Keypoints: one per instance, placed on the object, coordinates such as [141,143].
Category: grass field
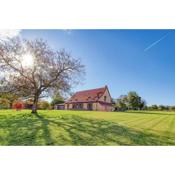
[86,128]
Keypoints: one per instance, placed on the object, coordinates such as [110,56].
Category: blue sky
[125,60]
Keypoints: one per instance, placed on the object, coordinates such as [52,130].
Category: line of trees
[9,102]
[132,101]
[160,108]
[27,104]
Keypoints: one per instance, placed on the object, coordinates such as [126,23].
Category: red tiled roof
[91,95]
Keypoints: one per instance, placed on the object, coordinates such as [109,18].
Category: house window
[80,106]
[77,106]
[89,106]
[68,106]
[104,98]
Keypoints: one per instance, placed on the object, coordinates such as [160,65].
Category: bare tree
[47,72]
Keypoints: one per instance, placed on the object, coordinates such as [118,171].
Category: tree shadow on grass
[28,129]
[24,129]
[44,126]
[17,130]
[84,131]
[153,113]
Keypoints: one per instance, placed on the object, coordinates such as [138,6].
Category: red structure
[18,105]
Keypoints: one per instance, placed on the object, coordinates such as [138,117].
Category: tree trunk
[11,105]
[34,107]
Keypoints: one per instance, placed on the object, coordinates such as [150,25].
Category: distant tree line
[6,104]
[160,108]
[132,101]
[9,101]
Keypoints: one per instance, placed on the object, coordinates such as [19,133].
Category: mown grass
[86,128]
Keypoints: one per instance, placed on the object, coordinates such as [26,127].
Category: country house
[94,99]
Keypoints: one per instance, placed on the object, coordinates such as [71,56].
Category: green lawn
[86,128]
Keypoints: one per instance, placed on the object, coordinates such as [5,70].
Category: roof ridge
[88,95]
[92,89]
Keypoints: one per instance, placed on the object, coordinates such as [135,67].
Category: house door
[89,106]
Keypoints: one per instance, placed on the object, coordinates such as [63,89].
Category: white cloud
[9,33]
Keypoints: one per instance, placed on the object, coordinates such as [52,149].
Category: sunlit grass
[86,128]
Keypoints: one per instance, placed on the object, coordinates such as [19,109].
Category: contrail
[156,42]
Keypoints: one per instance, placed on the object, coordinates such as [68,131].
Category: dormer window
[88,98]
[99,94]
[104,98]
